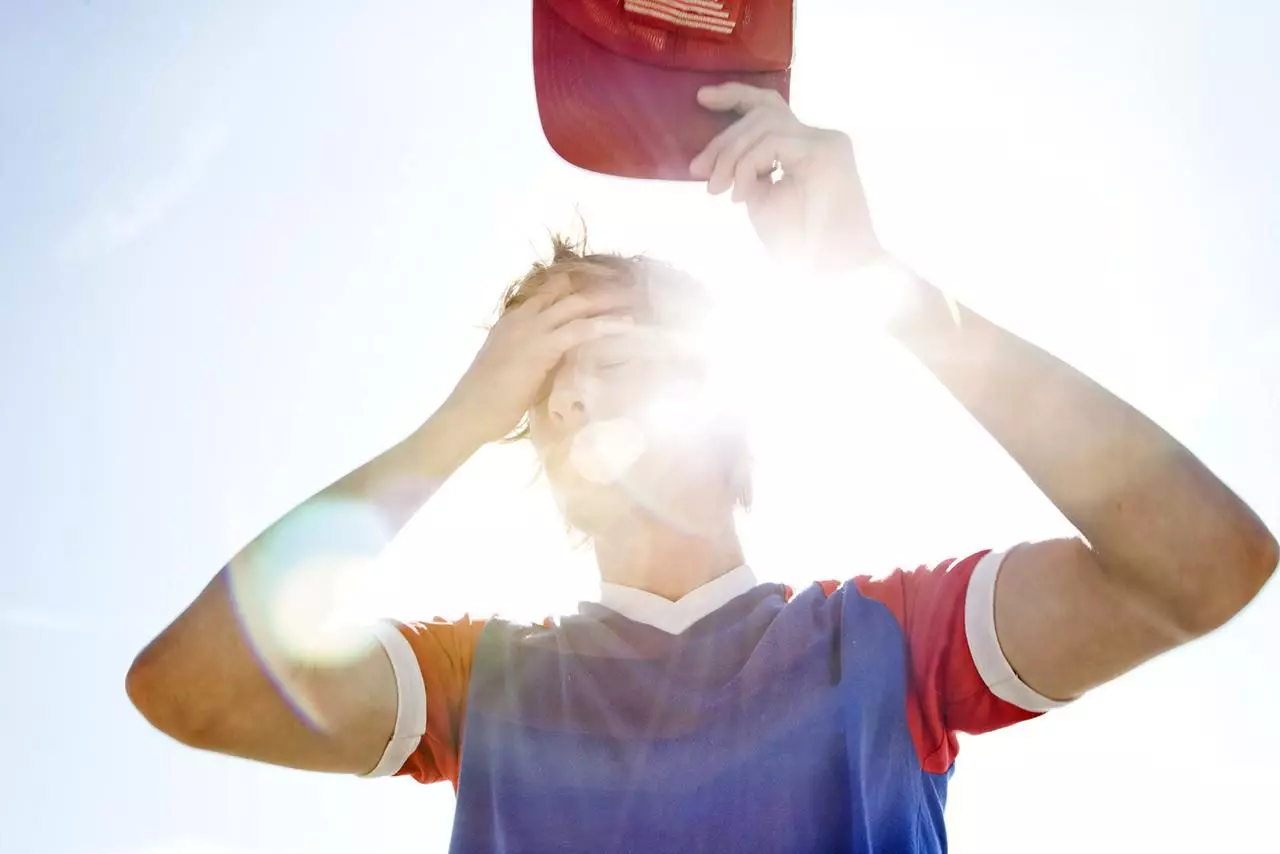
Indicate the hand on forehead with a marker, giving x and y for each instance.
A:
(660, 297)
(647, 342)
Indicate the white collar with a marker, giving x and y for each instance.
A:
(673, 618)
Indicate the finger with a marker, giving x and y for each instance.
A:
(753, 188)
(648, 340)
(738, 96)
(704, 165)
(654, 341)
(577, 332)
(589, 304)
(556, 286)
(722, 177)
(727, 164)
(754, 170)
(705, 161)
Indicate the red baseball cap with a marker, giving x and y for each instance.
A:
(617, 79)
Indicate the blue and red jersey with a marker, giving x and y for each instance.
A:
(744, 717)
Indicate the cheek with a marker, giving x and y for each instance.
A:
(614, 397)
(625, 391)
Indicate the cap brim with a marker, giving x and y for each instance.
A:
(611, 114)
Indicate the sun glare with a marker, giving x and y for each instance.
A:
(683, 409)
(806, 362)
(603, 450)
(319, 613)
(793, 356)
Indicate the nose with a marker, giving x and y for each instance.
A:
(565, 405)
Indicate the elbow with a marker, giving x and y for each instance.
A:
(1261, 556)
(1230, 578)
(148, 694)
(159, 701)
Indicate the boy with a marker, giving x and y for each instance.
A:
(694, 708)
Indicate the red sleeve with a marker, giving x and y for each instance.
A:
(958, 679)
(432, 664)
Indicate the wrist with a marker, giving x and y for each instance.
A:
(905, 303)
(447, 439)
(922, 310)
(888, 296)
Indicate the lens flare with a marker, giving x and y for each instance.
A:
(686, 409)
(320, 613)
(603, 451)
(305, 597)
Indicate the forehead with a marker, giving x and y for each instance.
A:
(672, 316)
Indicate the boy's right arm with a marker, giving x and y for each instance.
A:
(254, 666)
(248, 668)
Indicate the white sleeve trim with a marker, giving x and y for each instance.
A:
(984, 644)
(411, 702)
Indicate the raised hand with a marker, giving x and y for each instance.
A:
(524, 346)
(800, 183)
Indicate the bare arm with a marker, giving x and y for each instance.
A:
(207, 679)
(1171, 552)
(254, 667)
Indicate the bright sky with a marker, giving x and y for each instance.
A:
(244, 248)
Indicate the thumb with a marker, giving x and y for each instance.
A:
(714, 96)
(733, 96)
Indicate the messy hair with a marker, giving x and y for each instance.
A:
(571, 256)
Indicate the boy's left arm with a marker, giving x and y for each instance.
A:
(1168, 551)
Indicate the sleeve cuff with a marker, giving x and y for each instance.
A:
(984, 644)
(411, 702)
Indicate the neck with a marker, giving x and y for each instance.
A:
(652, 556)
